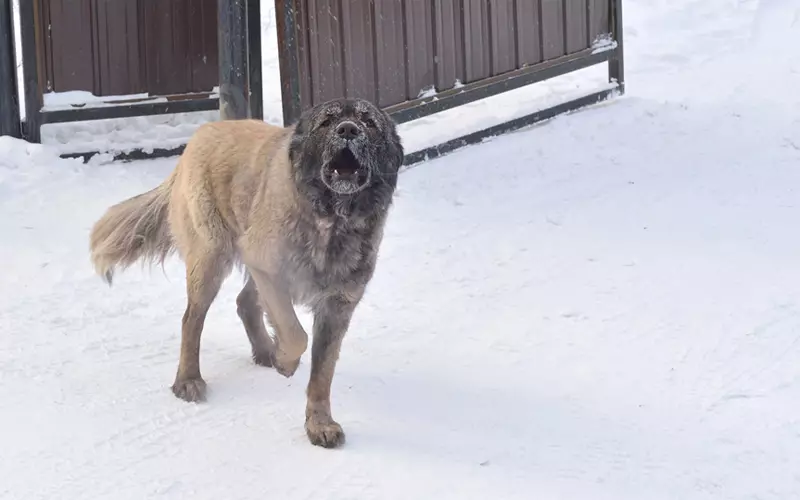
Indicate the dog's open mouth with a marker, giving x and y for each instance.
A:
(345, 163)
(344, 174)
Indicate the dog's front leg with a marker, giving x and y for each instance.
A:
(292, 339)
(331, 321)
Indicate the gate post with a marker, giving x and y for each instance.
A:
(31, 129)
(616, 65)
(9, 102)
(255, 80)
(286, 12)
(234, 92)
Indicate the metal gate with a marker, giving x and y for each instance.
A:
(412, 57)
(169, 50)
(129, 47)
(418, 57)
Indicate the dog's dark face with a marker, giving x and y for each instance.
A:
(347, 146)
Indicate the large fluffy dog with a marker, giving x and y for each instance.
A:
(302, 208)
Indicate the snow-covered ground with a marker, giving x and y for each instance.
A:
(605, 306)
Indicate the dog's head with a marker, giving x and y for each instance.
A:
(349, 146)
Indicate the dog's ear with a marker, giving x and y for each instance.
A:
(395, 153)
(298, 136)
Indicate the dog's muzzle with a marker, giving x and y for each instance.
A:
(344, 174)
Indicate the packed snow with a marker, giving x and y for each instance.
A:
(603, 306)
(83, 99)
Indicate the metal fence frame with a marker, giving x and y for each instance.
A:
(471, 92)
(242, 90)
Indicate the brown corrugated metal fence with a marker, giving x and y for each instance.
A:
(125, 47)
(392, 51)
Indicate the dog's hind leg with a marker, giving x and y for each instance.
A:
(205, 272)
(252, 316)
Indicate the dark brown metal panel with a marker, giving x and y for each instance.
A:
(195, 25)
(127, 47)
(390, 52)
(529, 32)
(477, 41)
(294, 58)
(325, 46)
(420, 55)
(503, 35)
(161, 68)
(405, 46)
(117, 49)
(577, 16)
(69, 46)
(202, 49)
(449, 39)
(303, 40)
(553, 28)
(175, 61)
(44, 59)
(359, 50)
(179, 41)
(598, 19)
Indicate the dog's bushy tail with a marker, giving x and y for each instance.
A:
(135, 229)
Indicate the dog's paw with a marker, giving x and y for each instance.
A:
(192, 390)
(262, 359)
(324, 432)
(284, 365)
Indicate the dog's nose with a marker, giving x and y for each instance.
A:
(348, 130)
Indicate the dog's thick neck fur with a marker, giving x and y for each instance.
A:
(336, 235)
(368, 203)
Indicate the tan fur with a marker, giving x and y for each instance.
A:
(132, 230)
(209, 200)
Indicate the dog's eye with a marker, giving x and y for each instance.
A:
(325, 123)
(369, 122)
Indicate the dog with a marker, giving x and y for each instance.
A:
(300, 209)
